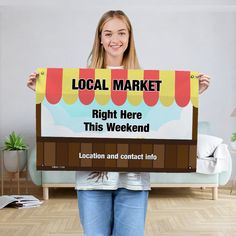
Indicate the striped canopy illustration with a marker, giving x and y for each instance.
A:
(55, 84)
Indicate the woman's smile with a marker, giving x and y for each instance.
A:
(115, 47)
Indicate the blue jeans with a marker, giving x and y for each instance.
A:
(120, 212)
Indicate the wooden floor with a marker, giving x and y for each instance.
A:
(171, 212)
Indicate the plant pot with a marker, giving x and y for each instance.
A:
(12, 158)
(233, 145)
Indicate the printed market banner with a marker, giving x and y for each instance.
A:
(116, 119)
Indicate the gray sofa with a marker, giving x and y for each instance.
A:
(49, 179)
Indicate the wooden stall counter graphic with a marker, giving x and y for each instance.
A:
(116, 120)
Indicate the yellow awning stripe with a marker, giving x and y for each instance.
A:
(194, 88)
(135, 97)
(41, 85)
(69, 95)
(102, 97)
(167, 92)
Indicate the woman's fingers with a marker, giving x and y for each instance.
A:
(31, 83)
(204, 81)
(31, 80)
(205, 84)
(202, 75)
(34, 75)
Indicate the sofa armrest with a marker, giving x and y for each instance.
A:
(36, 175)
(224, 176)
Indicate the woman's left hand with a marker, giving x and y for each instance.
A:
(204, 81)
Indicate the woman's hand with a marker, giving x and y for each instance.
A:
(31, 83)
(204, 81)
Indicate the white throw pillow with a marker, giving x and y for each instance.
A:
(206, 145)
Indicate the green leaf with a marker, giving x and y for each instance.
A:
(14, 142)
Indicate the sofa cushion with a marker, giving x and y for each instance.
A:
(58, 177)
(183, 178)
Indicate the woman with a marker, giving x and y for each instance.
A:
(112, 203)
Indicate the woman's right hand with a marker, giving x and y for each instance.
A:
(31, 83)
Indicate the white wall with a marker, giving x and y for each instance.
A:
(191, 35)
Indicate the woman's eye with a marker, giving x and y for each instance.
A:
(122, 33)
(108, 35)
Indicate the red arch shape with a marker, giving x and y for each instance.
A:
(182, 88)
(54, 85)
(86, 96)
(151, 97)
(118, 97)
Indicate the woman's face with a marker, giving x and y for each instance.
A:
(115, 37)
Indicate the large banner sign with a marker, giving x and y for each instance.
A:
(116, 119)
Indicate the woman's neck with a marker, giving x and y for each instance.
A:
(113, 61)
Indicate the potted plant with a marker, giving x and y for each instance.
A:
(233, 141)
(14, 153)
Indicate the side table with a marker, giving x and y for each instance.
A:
(233, 155)
(14, 175)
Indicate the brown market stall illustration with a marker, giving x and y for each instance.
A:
(116, 120)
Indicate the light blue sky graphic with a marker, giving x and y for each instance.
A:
(73, 116)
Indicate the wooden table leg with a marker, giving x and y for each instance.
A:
(2, 175)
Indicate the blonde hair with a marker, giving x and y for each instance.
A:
(96, 58)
